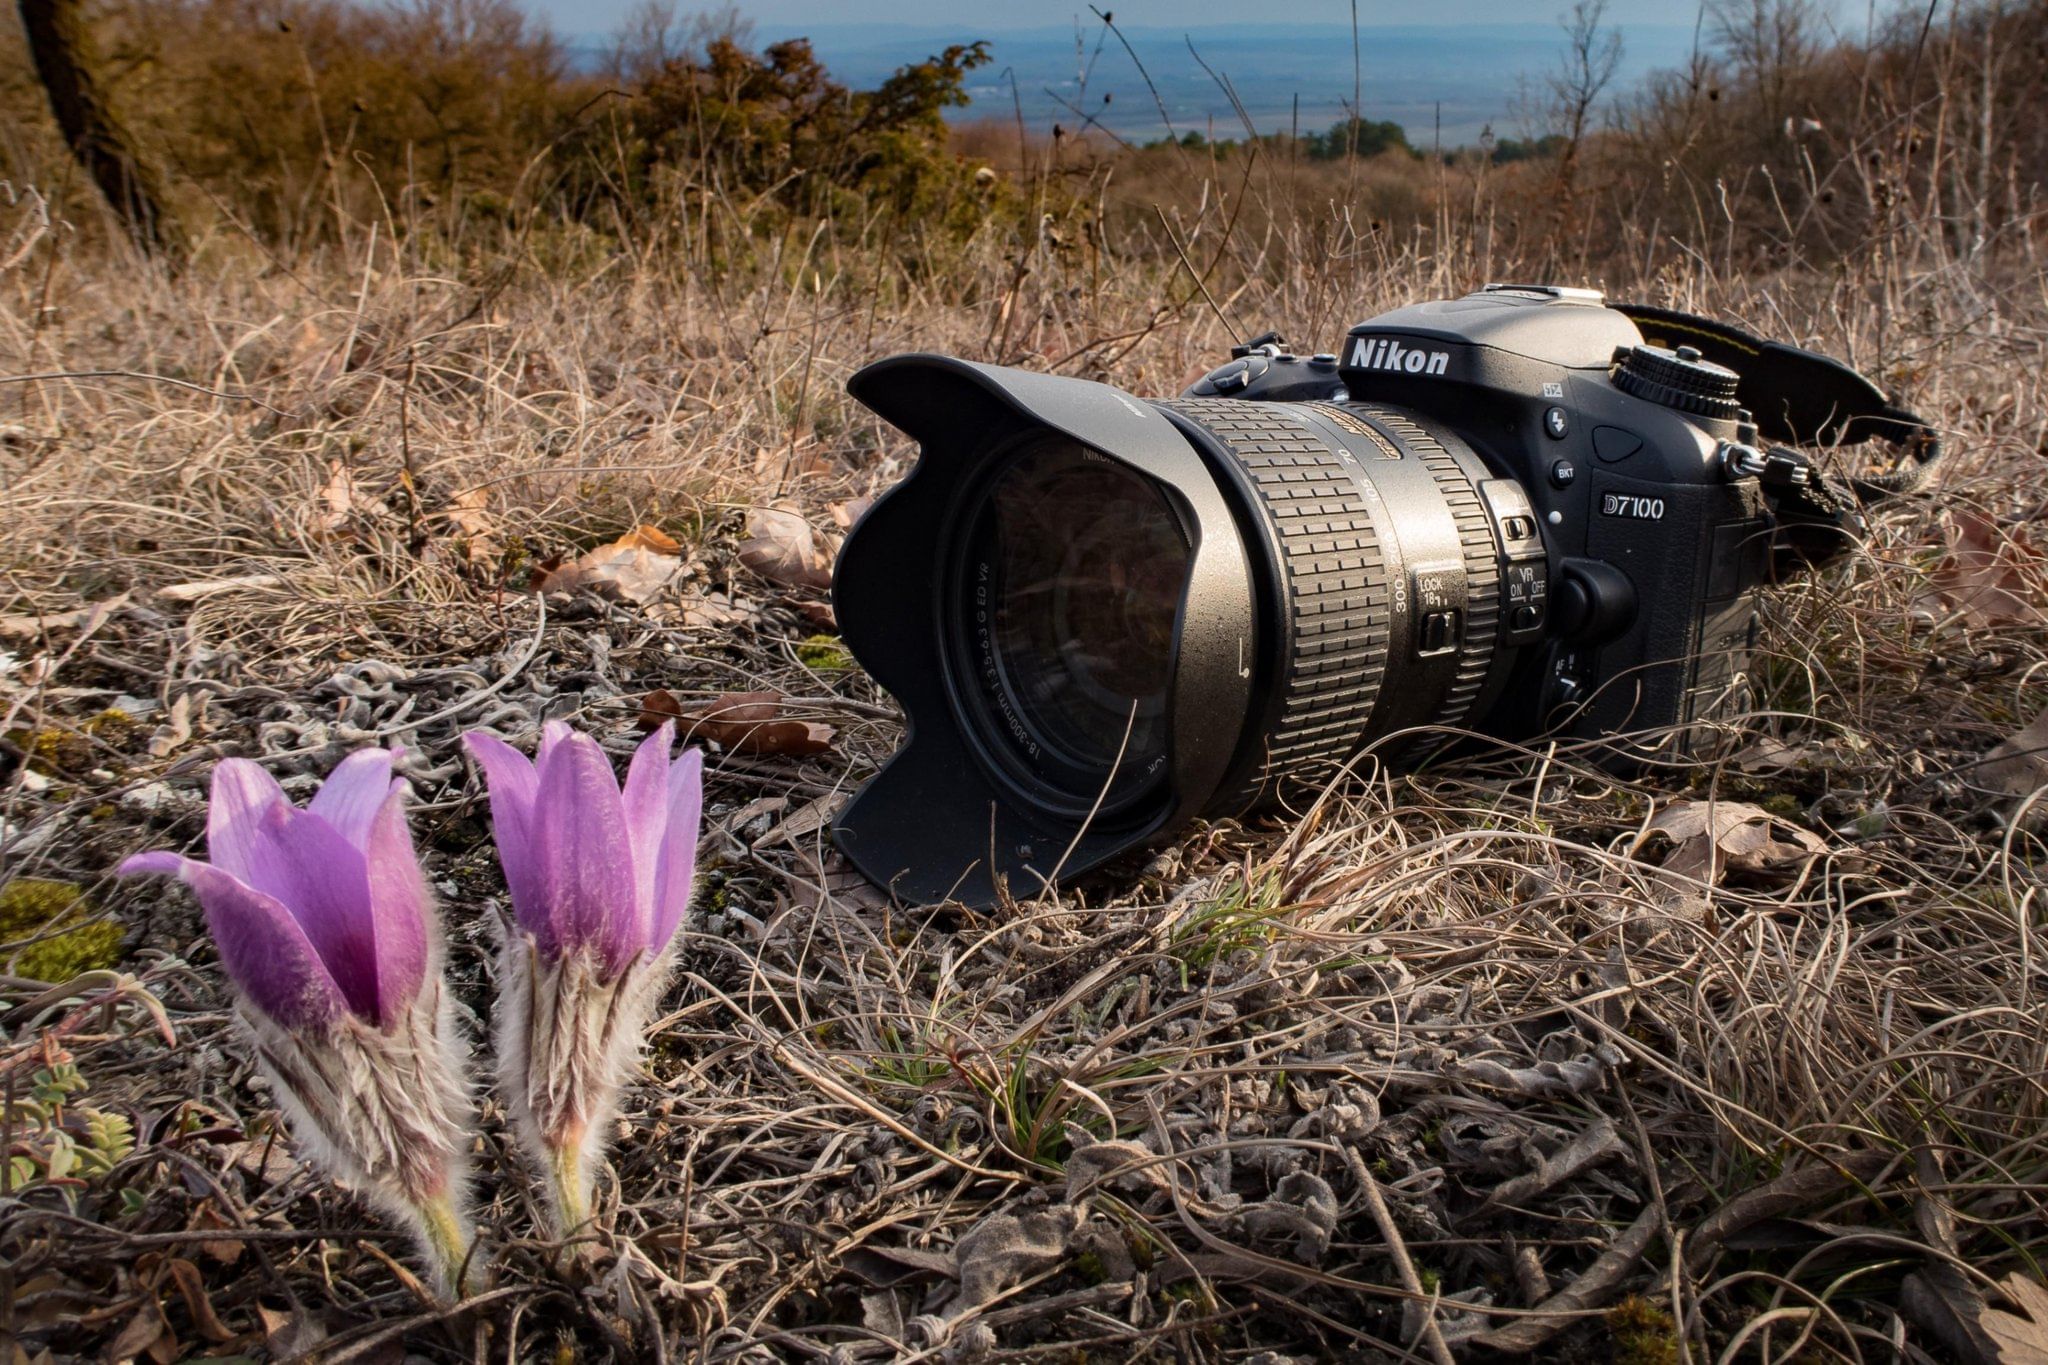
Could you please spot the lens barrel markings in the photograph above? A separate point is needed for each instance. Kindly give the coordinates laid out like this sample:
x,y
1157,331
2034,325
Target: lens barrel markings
x,y
1482,564
1333,576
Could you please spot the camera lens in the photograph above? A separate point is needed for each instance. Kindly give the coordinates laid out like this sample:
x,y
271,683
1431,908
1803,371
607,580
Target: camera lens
x,y
1075,569
1105,616
1381,576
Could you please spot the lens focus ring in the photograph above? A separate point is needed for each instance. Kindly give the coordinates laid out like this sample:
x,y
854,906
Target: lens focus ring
x,y
1333,580
1482,567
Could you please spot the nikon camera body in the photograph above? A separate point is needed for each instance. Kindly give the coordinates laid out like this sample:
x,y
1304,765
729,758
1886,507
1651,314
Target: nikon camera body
x,y
1511,514
1609,528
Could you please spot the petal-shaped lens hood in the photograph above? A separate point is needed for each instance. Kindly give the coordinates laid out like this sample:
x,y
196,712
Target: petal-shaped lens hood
x,y
937,823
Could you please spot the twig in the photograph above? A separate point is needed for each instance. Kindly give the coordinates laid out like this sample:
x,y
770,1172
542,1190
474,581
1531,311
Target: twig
x,y
1398,1250
1582,1295
229,394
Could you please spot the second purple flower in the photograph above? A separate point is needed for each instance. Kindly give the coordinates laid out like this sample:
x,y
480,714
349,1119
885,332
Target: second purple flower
x,y
599,878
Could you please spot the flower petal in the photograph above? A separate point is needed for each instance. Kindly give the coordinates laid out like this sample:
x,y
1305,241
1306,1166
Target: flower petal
x,y
242,794
646,805
323,881
354,792
586,862
677,865
514,786
400,906
262,948
552,736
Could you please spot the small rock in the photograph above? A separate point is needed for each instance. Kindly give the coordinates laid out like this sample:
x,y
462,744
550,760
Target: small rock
x,y
135,708
160,800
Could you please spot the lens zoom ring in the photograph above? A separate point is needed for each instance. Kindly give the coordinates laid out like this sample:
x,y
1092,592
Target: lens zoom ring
x,y
1482,565
1333,575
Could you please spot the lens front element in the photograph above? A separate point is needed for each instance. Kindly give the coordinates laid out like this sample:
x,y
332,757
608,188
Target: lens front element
x,y
1078,568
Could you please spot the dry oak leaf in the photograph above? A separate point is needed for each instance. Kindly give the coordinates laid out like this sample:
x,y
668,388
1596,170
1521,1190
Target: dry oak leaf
x,y
2017,766
2022,1338
740,723
1712,839
468,514
781,547
637,567
338,496
845,514
1986,577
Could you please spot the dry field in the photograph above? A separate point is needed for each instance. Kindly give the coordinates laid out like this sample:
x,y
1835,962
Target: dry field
x,y
1368,1080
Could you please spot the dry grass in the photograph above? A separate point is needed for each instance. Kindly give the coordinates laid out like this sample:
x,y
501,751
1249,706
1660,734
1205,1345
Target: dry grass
x,y
1459,1013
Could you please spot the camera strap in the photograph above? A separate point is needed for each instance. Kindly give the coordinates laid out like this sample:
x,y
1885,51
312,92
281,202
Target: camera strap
x,y
1805,398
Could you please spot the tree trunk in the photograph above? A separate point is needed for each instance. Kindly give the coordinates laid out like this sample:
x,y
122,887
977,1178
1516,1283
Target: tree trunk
x,y
66,61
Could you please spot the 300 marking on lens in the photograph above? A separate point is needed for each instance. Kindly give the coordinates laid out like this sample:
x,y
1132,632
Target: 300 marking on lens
x,y
1632,505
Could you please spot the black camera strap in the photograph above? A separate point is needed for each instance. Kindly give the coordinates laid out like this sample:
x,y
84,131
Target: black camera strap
x,y
1804,397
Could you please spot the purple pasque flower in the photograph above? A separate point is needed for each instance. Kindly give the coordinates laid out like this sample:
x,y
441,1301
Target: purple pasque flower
x,y
316,913
599,878
593,867
324,926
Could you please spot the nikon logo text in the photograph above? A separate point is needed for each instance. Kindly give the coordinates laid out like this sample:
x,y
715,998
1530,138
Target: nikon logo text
x,y
1380,353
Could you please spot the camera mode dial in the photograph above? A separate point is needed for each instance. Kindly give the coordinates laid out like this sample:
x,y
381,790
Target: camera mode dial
x,y
1682,379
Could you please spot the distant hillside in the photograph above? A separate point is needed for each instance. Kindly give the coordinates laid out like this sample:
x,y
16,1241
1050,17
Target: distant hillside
x,y
1473,72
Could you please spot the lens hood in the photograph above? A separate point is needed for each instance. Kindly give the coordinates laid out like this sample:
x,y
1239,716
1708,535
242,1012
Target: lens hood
x,y
941,820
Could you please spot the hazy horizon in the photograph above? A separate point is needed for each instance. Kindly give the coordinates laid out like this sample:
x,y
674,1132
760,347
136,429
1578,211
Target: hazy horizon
x,y
1445,80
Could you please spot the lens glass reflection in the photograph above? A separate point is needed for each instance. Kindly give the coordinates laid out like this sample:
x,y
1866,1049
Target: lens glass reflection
x,y
1084,568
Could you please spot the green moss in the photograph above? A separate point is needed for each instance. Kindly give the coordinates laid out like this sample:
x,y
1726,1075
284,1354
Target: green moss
x,y
29,906
824,653
1784,805
51,751
1644,1333
54,750
111,727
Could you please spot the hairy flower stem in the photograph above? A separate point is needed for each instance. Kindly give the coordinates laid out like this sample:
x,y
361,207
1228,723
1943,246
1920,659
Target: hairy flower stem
x,y
445,1240
571,1186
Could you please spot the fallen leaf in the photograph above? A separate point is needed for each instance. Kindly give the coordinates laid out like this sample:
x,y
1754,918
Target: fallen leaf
x,y
781,547
177,728
828,879
805,820
1948,1307
142,1333
753,723
192,1288
288,1333
645,537
761,809
337,496
2017,766
1985,577
845,514
1768,755
468,514
33,625
637,568
658,706
819,616
1712,839
716,609
206,1218
2022,1338
209,587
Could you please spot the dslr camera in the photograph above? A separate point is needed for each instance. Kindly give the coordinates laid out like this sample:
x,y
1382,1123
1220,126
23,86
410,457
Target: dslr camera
x,y
1518,514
